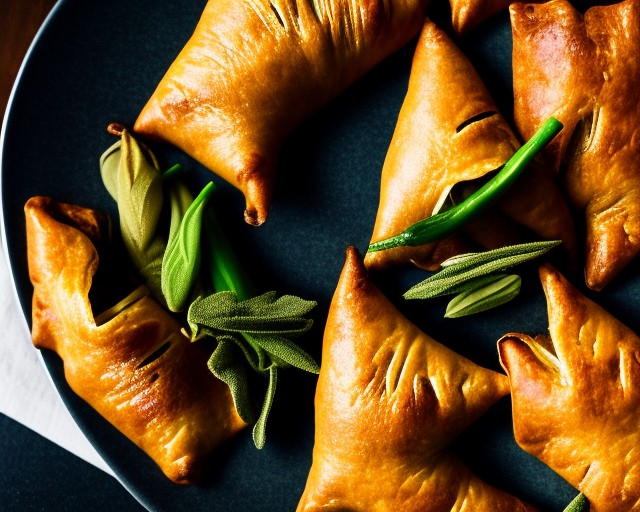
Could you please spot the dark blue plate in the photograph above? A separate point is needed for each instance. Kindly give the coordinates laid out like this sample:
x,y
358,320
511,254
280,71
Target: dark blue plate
x,y
97,62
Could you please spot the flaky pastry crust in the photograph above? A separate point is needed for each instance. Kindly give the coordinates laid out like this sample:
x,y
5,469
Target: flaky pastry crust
x,y
576,396
389,400
449,132
133,364
585,71
254,69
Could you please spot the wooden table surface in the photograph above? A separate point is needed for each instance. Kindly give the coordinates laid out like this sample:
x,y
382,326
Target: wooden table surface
x,y
19,22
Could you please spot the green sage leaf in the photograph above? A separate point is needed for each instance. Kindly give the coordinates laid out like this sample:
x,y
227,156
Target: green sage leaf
x,y
226,364
487,296
472,284
579,504
181,263
260,315
268,306
265,322
131,175
461,262
287,351
254,325
259,429
257,358
180,199
463,269
263,357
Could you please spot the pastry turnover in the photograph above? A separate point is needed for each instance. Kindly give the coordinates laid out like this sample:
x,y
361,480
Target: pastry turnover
x,y
388,402
467,14
132,364
576,396
449,133
254,69
585,71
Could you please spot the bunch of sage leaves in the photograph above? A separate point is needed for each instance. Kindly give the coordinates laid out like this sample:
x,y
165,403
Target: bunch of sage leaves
x,y
478,280
252,332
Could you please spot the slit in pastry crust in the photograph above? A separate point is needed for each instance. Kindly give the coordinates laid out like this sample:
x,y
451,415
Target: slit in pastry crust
x,y
134,366
389,400
580,414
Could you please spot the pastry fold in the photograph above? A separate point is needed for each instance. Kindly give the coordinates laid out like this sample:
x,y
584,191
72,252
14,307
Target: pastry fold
x,y
585,71
449,134
254,69
388,402
576,396
132,363
467,14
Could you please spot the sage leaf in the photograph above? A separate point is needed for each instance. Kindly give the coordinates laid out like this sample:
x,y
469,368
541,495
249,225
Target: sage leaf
x,y
285,306
251,332
500,290
465,268
180,199
473,284
131,175
579,504
287,351
263,314
181,262
264,361
265,322
226,364
256,325
259,429
473,259
253,354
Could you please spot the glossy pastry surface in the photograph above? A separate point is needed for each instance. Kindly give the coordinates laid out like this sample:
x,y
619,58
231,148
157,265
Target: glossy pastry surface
x,y
585,71
389,400
576,396
254,69
131,363
449,135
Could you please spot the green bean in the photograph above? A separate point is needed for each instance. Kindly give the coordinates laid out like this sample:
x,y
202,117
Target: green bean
x,y
443,224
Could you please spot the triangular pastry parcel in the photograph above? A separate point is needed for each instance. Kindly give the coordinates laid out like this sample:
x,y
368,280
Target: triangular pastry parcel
x,y
585,70
254,69
132,363
449,133
576,396
388,402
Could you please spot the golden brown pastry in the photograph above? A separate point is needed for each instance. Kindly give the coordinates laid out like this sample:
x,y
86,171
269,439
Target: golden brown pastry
x,y
467,14
449,132
132,364
253,69
576,396
389,400
585,70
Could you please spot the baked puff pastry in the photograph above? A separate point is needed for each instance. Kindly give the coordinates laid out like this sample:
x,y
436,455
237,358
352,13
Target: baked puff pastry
x,y
132,364
585,71
449,133
389,400
576,396
254,69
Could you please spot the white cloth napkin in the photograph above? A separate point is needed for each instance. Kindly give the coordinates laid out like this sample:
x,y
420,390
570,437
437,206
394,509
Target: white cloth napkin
x,y
26,392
